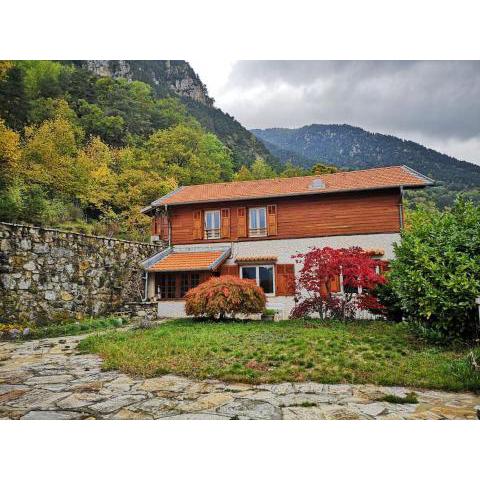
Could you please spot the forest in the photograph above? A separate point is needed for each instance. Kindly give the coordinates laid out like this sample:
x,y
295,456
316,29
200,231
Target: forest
x,y
85,153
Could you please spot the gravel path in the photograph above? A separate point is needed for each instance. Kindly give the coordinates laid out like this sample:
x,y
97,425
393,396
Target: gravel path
x,y
49,379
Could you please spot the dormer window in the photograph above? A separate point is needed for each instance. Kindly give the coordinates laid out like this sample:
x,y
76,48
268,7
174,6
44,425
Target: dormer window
x,y
257,222
317,184
212,224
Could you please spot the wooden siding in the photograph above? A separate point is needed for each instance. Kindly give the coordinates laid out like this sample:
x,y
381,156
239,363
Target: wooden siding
x,y
304,216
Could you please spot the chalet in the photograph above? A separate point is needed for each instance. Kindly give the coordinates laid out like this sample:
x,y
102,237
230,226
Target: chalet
x,y
252,229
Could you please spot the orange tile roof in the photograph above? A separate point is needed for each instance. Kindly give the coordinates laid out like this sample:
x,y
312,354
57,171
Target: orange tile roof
x,y
373,178
186,261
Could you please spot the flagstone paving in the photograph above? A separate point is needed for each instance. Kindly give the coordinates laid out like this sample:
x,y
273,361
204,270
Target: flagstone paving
x,y
48,379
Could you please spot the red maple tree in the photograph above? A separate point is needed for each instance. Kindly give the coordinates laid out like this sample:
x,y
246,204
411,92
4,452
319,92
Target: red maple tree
x,y
318,287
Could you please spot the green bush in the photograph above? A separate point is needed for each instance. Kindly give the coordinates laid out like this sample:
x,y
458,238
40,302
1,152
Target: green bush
x,y
436,272
388,299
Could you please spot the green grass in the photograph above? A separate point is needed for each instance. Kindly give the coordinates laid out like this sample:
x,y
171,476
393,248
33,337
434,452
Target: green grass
x,y
410,397
77,328
255,352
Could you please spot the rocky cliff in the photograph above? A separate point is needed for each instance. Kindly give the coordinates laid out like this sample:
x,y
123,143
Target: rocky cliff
x,y
163,75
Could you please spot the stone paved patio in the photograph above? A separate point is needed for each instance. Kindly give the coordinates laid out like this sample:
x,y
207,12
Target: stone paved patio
x,y
48,379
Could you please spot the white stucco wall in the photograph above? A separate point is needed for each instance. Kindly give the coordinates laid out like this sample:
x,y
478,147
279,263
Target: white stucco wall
x,y
171,309
176,308
283,250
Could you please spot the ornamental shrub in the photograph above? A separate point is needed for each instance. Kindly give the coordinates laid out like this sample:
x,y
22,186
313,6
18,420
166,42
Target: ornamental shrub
x,y
436,272
321,267
225,296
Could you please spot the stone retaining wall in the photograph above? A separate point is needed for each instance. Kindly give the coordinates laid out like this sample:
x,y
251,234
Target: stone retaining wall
x,y
140,311
49,275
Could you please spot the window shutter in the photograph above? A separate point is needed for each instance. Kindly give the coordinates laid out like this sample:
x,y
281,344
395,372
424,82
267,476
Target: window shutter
x,y
163,231
323,289
272,220
335,284
154,225
242,222
285,279
225,219
197,225
384,266
230,270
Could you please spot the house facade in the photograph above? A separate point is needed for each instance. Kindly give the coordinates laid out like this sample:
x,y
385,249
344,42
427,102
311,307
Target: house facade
x,y
252,229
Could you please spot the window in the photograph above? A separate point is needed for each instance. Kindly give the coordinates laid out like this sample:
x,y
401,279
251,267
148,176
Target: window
x,y
171,286
166,285
212,224
348,288
188,281
257,218
265,279
262,275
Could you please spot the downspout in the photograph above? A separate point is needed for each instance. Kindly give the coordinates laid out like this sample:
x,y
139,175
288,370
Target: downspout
x,y
145,297
400,208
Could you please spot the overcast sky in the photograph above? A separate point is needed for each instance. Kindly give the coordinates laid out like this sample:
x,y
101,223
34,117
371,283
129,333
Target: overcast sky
x,y
435,103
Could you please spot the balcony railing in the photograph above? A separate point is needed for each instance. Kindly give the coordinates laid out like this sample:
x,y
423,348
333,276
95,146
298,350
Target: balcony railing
x,y
257,232
212,233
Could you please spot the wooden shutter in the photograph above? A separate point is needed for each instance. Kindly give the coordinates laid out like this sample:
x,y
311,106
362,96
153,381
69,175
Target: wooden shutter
x,y
163,232
225,219
285,279
160,226
197,225
272,220
230,270
335,284
242,222
384,266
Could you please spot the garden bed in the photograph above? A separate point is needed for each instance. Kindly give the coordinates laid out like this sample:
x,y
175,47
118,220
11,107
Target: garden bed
x,y
257,352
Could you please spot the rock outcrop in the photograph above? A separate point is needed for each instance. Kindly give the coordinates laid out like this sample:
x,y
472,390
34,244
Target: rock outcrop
x,y
175,75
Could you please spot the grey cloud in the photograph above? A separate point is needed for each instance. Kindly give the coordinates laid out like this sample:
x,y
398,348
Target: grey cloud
x,y
437,99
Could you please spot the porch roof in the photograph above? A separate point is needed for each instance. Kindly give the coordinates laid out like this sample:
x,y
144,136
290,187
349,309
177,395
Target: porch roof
x,y
186,260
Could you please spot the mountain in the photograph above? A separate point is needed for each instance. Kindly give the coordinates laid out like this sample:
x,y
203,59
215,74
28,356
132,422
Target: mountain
x,y
177,77
354,148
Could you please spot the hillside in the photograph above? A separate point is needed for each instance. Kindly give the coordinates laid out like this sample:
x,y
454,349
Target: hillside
x,y
167,77
353,148
84,145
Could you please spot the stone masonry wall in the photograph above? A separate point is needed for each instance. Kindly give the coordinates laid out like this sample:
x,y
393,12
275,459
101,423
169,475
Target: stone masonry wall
x,y
50,275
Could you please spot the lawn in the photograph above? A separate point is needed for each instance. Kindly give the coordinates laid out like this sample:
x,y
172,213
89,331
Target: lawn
x,y
256,352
